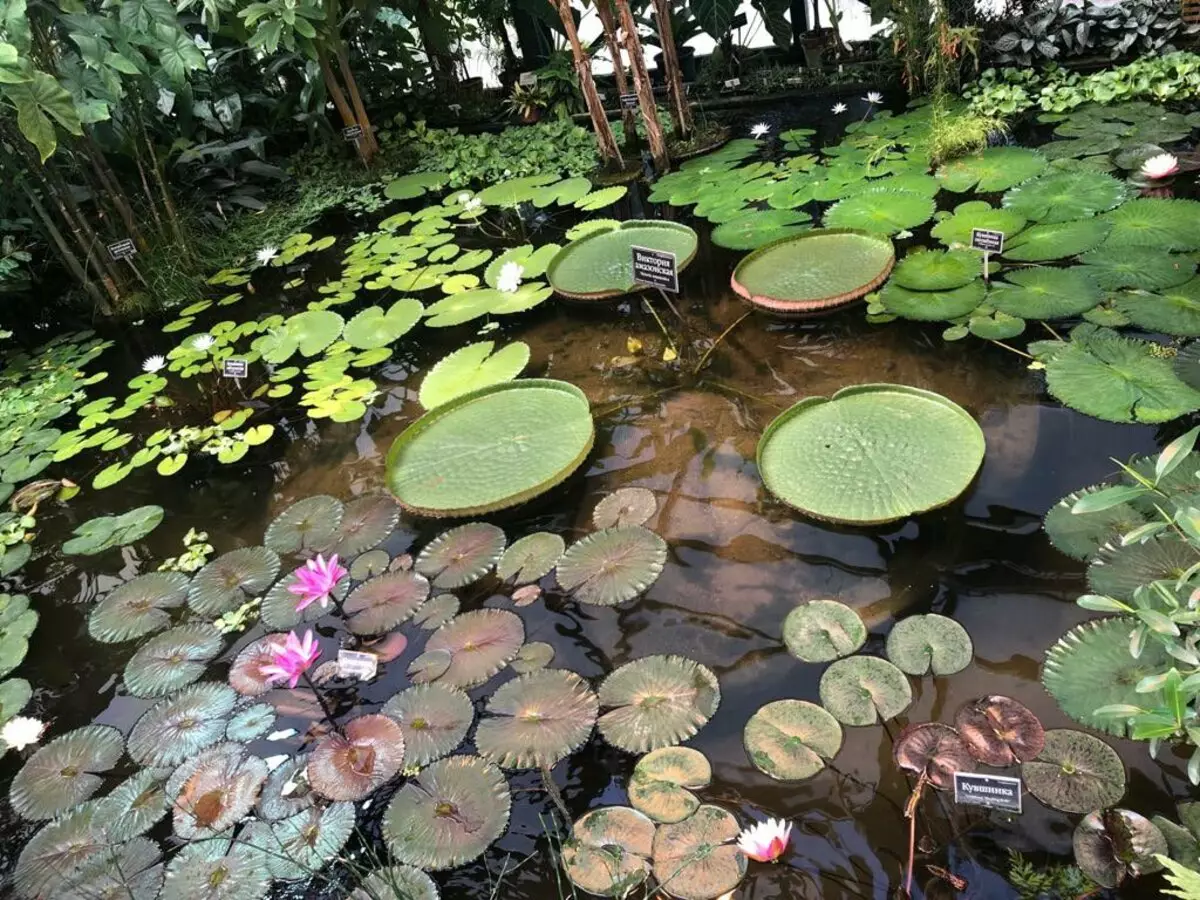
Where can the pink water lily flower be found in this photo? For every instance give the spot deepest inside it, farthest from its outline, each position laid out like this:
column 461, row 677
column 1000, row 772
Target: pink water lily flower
column 315, row 581
column 765, row 841
column 292, row 658
column 1161, row 165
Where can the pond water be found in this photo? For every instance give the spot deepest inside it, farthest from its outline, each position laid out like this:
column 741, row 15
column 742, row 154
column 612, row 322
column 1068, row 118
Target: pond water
column 738, row 562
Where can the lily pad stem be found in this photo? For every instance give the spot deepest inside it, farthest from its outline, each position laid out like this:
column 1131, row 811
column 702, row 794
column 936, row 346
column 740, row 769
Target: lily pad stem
column 555, row 794
column 1011, row 349
column 329, row 716
column 662, row 327
column 1055, row 334
column 713, row 346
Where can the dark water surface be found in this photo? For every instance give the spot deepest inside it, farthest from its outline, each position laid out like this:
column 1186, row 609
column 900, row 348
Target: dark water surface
column 739, row 561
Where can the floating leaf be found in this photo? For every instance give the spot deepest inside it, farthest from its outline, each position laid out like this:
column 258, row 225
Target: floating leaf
column 881, row 212
column 397, row 883
column 823, row 630
column 172, row 660
column 135, row 805
column 1142, row 268
column 278, row 610
column 373, row 328
column 491, row 449
column 138, row 607
column 216, row 870
column 628, row 506
column 366, row 523
column 1154, row 222
column 462, row 555
column 697, row 859
column 246, row 675
column 610, row 850
column 434, row 719
column 1040, row 243
column 663, row 780
column 937, row 751
column 530, row 558
column 656, row 701
column 609, row 567
column 273, row 803
column 370, row 564
column 1090, row 667
column 870, row 454
column 386, row 601
column 863, row 690
column 1075, row 772
column 365, row 755
column 599, row 265
column 1172, row 311
column 131, row 870
column 182, row 725
column 993, row 169
column 790, row 740
column 532, row 656
column 406, row 187
column 300, row 845
column 1112, row 845
column 601, row 198
column 937, row 270
column 448, row 814
column 214, row 790
column 537, row 720
column 976, row 214
column 1043, row 293
column 106, row 532
column 999, row 731
column 924, row 644
column 481, row 643
column 55, row 856
column 61, row 774
column 251, row 723
column 314, row 330
column 1063, row 196
column 932, row 306
column 15, row 693
column 224, row 584
column 754, row 228
column 470, row 368
column 307, row 525
column 436, row 612
column 1081, row 535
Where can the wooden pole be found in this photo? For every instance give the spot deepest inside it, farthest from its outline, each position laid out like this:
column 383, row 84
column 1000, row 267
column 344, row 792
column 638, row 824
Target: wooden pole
column 628, row 122
column 607, row 141
column 681, row 113
column 641, row 84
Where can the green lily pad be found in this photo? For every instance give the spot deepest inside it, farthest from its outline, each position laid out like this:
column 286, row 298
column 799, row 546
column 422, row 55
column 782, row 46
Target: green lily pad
column 480, row 643
column 1063, row 196
column 609, row 853
column 239, row 870
column 656, row 701
column 957, row 228
column 107, row 532
column 698, row 859
column 1045, row 293
column 138, row 607
column 599, row 266
column 612, row 566
column 1172, row 311
column 601, row 198
column 314, row 330
column 61, row 774
column 531, row 558
column 932, row 306
column 1081, row 535
column 993, row 169
column 937, row 270
column 406, row 187
column 823, row 630
column 470, row 368
column 224, row 583
column 790, row 740
column 1075, row 772
column 1141, row 268
column 172, row 660
column 15, row 693
column 1161, row 224
column 536, row 720
column 182, row 725
column 373, row 328
column 491, row 449
column 753, row 229
column 1040, row 243
column 870, row 454
column 881, row 212
column 863, row 690
column 462, row 555
column 929, row 644
column 814, row 272
column 663, row 780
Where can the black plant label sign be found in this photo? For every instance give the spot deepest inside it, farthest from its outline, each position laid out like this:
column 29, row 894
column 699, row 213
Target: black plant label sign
column 992, row 791
column 987, row 240
column 351, row 133
column 122, row 249
column 236, row 368
column 656, row 268
column 629, row 101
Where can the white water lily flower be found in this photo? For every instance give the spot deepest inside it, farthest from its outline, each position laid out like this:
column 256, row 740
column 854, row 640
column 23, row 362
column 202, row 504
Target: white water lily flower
column 839, row 108
column 20, row 732
column 266, row 254
column 473, row 204
column 759, row 130
column 873, row 97
column 153, row 363
column 463, row 198
column 765, row 841
column 510, row 277
column 1162, row 165
column 202, row 342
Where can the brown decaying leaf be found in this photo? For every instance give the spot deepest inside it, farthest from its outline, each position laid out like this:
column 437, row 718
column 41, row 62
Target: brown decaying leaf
column 934, row 749
column 999, row 731
column 351, row 765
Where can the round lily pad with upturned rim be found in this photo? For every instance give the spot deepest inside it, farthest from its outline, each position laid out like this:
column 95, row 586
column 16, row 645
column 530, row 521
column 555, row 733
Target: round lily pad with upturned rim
column 656, row 701
column 531, row 558
column 491, row 449
column 610, row 850
column 790, row 740
column 599, row 266
column 138, row 607
column 1113, row 845
column 663, row 780
column 814, row 272
column 924, row 644
column 61, row 774
column 698, row 859
column 462, row 555
column 448, row 814
column 480, row 643
column 536, row 720
column 609, row 567
column 863, row 690
column 872, row 453
column 1090, row 667
column 823, row 630
column 1075, row 772
column 434, row 718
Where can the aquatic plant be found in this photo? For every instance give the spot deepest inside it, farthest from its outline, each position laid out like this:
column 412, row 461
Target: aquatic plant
column 315, row 581
column 791, row 740
column 293, row 658
column 599, row 265
column 765, row 841
column 656, row 701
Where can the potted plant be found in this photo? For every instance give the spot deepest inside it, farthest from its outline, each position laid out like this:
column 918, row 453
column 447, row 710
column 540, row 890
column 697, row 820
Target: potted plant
column 527, row 103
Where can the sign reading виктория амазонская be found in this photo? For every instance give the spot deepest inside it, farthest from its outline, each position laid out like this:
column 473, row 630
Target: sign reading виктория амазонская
column 992, row 791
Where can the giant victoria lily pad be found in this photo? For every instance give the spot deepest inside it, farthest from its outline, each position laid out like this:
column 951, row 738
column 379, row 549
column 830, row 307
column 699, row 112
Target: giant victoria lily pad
column 1075, row 772
column 1112, row 845
column 610, row 850
column 138, row 607
column 609, row 567
column 491, row 449
column 537, row 719
column 599, row 265
column 434, row 719
column 790, row 740
column 379, row 605
column 656, row 701
column 814, row 272
column 698, row 859
column 480, row 643
column 870, row 454
column 1090, row 667
column 350, row 765
column 62, row 773
column 448, row 814
column 470, row 368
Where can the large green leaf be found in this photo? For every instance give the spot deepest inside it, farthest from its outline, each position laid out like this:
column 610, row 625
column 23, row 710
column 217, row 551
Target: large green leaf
column 1045, row 293
column 932, row 306
column 39, row 101
column 1142, row 268
column 994, row 169
column 1174, row 310
column 752, row 229
column 957, row 228
column 470, row 368
column 937, row 270
column 872, row 453
column 1155, row 222
column 881, row 212
column 1063, row 196
column 178, row 54
column 714, row 16
column 1058, row 240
